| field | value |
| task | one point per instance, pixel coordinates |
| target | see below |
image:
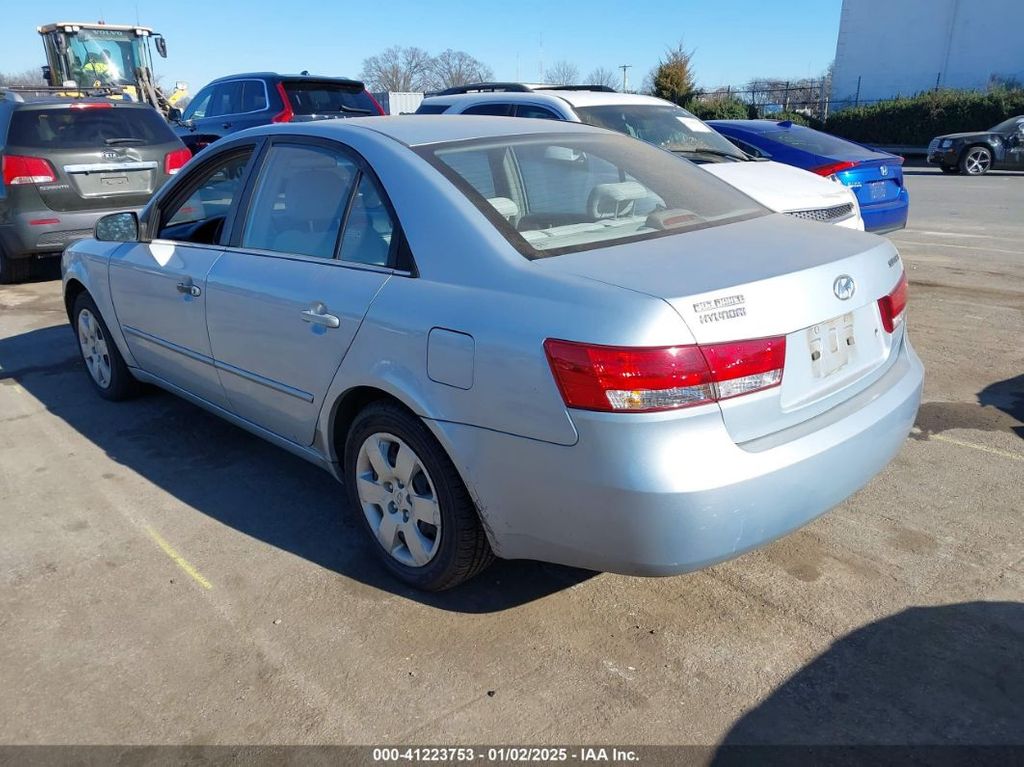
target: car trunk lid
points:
(874, 181)
(773, 276)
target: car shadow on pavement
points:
(240, 480)
(1000, 407)
(1007, 396)
(928, 676)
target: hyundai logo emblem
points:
(884, 170)
(844, 287)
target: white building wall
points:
(903, 47)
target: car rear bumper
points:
(883, 217)
(42, 232)
(661, 494)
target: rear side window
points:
(324, 98)
(300, 202)
(80, 128)
(432, 109)
(494, 110)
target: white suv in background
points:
(779, 187)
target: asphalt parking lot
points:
(167, 578)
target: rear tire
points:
(420, 517)
(976, 160)
(104, 364)
(14, 269)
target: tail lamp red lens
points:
(175, 161)
(286, 114)
(27, 170)
(893, 306)
(648, 379)
(832, 168)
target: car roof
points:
(417, 130)
(759, 126)
(572, 97)
(279, 76)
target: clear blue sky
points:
(733, 41)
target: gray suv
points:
(67, 162)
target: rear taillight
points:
(27, 170)
(893, 306)
(376, 104)
(646, 379)
(175, 161)
(286, 114)
(832, 168)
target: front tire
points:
(104, 364)
(413, 503)
(976, 160)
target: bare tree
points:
(603, 76)
(562, 73)
(451, 68)
(398, 69)
(30, 77)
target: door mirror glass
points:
(118, 227)
(161, 47)
(174, 115)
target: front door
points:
(285, 303)
(159, 287)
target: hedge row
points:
(917, 120)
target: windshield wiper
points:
(712, 152)
(113, 141)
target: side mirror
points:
(46, 74)
(174, 115)
(161, 46)
(118, 227)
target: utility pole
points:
(625, 78)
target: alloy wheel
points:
(398, 499)
(978, 161)
(94, 348)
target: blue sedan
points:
(875, 177)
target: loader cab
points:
(99, 55)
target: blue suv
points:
(238, 102)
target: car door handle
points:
(225, 125)
(190, 288)
(317, 314)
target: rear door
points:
(159, 287)
(104, 155)
(282, 305)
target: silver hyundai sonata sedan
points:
(511, 338)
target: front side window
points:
(560, 193)
(200, 216)
(197, 107)
(300, 201)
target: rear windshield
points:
(560, 193)
(80, 128)
(310, 98)
(432, 109)
(816, 142)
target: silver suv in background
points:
(779, 187)
(67, 162)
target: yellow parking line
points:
(179, 560)
(982, 448)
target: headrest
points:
(506, 207)
(614, 200)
